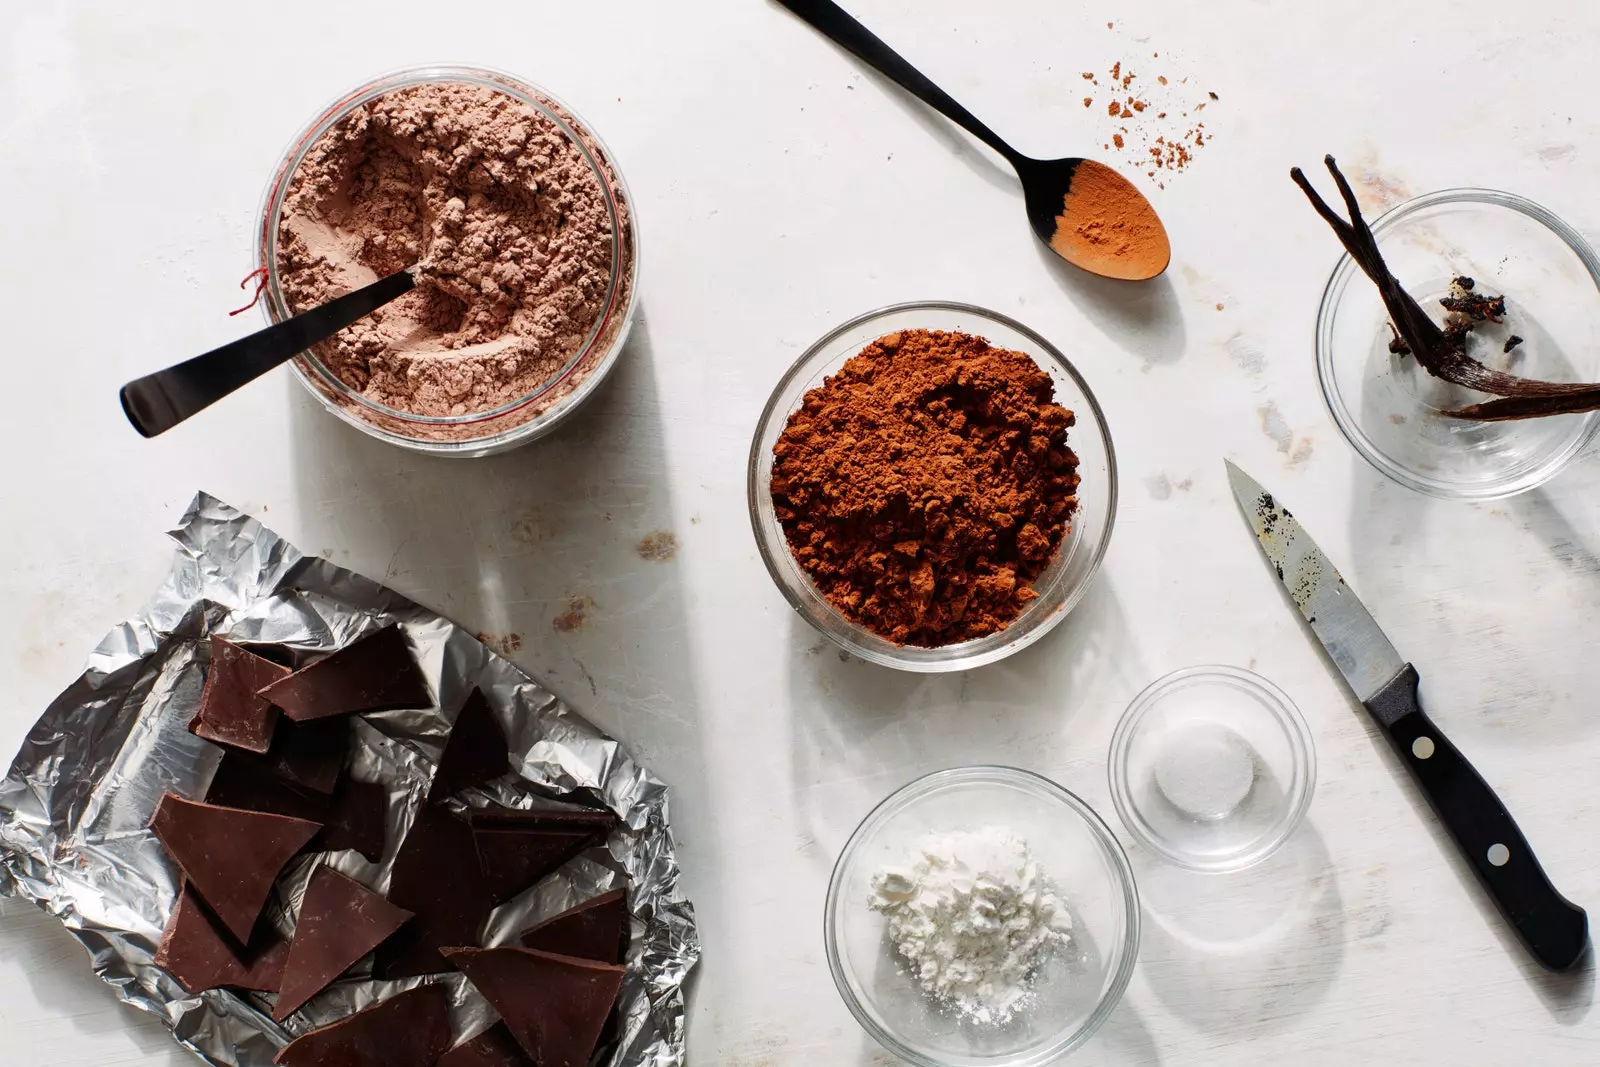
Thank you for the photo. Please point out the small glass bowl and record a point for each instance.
(528, 417)
(1074, 991)
(1212, 768)
(1391, 410)
(1061, 585)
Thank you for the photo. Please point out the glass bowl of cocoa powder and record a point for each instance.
(946, 490)
(518, 226)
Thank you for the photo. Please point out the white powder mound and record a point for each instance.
(974, 918)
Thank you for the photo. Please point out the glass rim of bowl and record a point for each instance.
(1303, 754)
(1333, 292)
(940, 658)
(558, 111)
(1099, 829)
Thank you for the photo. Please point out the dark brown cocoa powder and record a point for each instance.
(925, 485)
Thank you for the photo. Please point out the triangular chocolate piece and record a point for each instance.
(229, 855)
(197, 955)
(341, 921)
(230, 711)
(594, 930)
(570, 818)
(410, 1029)
(245, 781)
(555, 1006)
(356, 821)
(436, 877)
(513, 860)
(495, 1047)
(375, 673)
(353, 816)
(310, 755)
(475, 753)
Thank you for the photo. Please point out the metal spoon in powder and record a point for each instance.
(158, 402)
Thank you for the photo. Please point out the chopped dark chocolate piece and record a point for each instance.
(435, 876)
(230, 856)
(410, 1029)
(513, 860)
(518, 847)
(353, 817)
(196, 953)
(495, 1047)
(376, 673)
(475, 753)
(244, 781)
(570, 818)
(555, 1006)
(356, 821)
(230, 711)
(340, 921)
(310, 754)
(594, 930)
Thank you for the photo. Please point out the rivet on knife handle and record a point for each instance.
(1554, 929)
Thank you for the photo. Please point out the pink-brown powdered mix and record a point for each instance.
(504, 225)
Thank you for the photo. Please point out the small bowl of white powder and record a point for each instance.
(982, 917)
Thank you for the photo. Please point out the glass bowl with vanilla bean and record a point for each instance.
(1511, 284)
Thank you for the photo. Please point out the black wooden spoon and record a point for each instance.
(1087, 213)
(158, 402)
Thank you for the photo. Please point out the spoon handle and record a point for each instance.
(840, 27)
(158, 402)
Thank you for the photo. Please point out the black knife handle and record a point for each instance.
(1554, 929)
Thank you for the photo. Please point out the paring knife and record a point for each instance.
(1554, 929)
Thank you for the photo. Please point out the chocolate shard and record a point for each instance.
(196, 953)
(513, 860)
(568, 818)
(230, 711)
(436, 877)
(352, 818)
(356, 821)
(310, 755)
(341, 921)
(229, 855)
(475, 753)
(555, 1006)
(594, 930)
(495, 1047)
(411, 1029)
(243, 781)
(376, 673)
(517, 847)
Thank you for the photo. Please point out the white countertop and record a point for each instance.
(781, 190)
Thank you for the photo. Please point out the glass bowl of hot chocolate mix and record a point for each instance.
(517, 225)
(932, 486)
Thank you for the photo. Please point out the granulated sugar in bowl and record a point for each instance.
(511, 214)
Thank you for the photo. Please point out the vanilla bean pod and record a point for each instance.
(1443, 354)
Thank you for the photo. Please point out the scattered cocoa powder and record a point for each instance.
(1137, 123)
(926, 484)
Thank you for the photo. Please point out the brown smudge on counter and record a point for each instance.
(657, 547)
(505, 644)
(575, 616)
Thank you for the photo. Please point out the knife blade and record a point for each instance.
(1554, 929)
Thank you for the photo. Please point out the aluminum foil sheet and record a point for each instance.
(74, 806)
